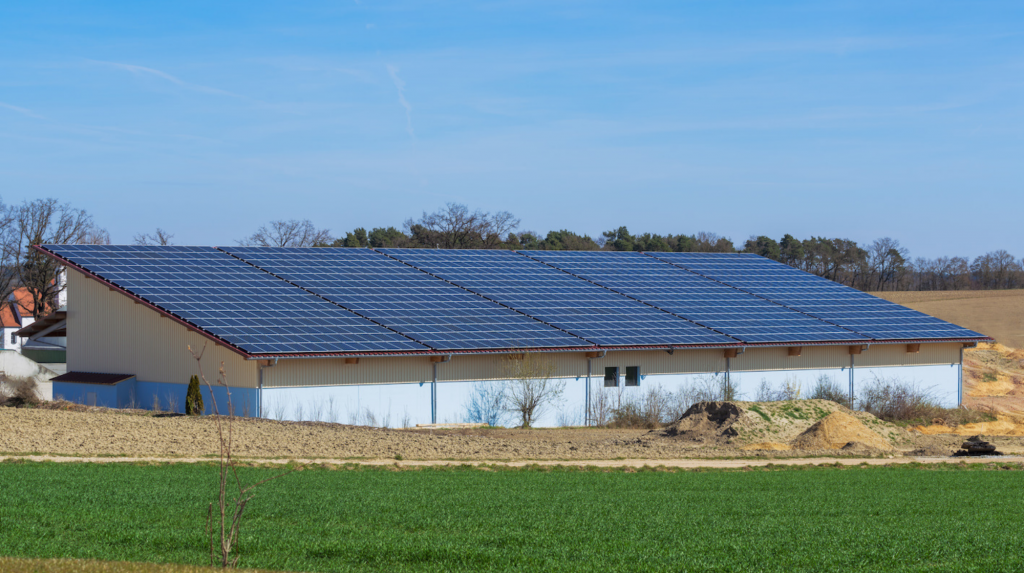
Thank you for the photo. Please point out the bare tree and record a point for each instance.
(224, 532)
(160, 237)
(292, 233)
(887, 261)
(96, 236)
(45, 221)
(455, 227)
(530, 390)
(9, 241)
(486, 404)
(705, 242)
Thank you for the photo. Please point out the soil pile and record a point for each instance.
(767, 447)
(706, 422)
(752, 424)
(838, 430)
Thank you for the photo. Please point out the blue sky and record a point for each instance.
(849, 119)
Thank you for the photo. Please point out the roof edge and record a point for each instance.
(91, 275)
(666, 348)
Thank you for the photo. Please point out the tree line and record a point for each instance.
(883, 265)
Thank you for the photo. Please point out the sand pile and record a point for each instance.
(706, 422)
(838, 430)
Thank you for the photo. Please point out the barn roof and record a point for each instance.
(265, 301)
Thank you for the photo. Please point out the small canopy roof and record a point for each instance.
(92, 378)
(53, 324)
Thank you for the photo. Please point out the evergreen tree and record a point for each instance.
(193, 398)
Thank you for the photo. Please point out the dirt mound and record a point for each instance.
(1005, 425)
(860, 449)
(836, 431)
(706, 422)
(768, 446)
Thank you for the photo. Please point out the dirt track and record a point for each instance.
(110, 433)
(677, 463)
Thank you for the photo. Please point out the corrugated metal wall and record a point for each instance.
(897, 355)
(327, 372)
(108, 332)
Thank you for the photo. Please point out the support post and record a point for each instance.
(259, 388)
(433, 397)
(960, 380)
(852, 362)
(728, 378)
(587, 394)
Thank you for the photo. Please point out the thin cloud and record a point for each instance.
(21, 110)
(400, 86)
(142, 70)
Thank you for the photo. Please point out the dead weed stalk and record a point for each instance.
(223, 533)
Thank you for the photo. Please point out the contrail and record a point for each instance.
(400, 86)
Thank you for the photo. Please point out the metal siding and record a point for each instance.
(778, 358)
(660, 362)
(897, 355)
(108, 332)
(334, 372)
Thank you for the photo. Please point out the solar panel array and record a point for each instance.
(268, 301)
(589, 311)
(230, 299)
(422, 307)
(686, 294)
(816, 296)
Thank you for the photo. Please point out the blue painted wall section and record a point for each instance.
(166, 397)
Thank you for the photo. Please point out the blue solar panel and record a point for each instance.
(728, 310)
(582, 308)
(234, 301)
(847, 307)
(425, 308)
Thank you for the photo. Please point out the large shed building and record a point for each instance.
(407, 336)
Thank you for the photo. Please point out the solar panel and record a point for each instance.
(234, 301)
(550, 295)
(425, 308)
(819, 297)
(728, 310)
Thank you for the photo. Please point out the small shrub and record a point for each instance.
(486, 404)
(827, 388)
(790, 390)
(895, 400)
(651, 410)
(193, 398)
(19, 392)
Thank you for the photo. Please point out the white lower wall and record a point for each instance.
(405, 405)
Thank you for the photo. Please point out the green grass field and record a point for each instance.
(872, 519)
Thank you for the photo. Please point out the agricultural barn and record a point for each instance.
(408, 336)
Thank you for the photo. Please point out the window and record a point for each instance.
(14, 339)
(611, 376)
(632, 376)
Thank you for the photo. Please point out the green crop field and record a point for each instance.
(871, 519)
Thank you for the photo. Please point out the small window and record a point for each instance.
(632, 376)
(14, 339)
(611, 376)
